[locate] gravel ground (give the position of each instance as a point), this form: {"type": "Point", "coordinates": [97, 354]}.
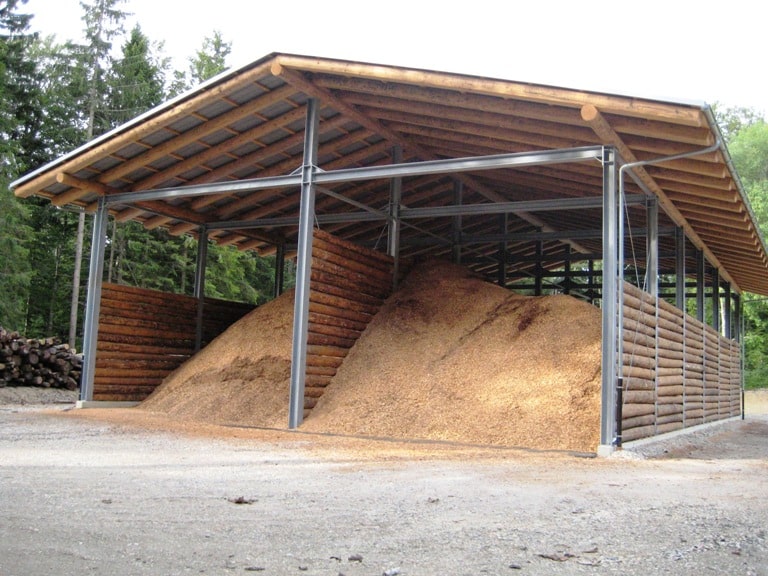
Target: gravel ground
{"type": "Point", "coordinates": [122, 493]}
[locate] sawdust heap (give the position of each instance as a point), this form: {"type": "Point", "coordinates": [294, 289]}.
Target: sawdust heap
{"type": "Point", "coordinates": [452, 357]}
{"type": "Point", "coordinates": [241, 377]}
{"type": "Point", "coordinates": [449, 357]}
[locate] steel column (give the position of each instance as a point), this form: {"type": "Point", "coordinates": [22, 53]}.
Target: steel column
{"type": "Point", "coordinates": [458, 192]}
{"type": "Point", "coordinates": [610, 298]}
{"type": "Point", "coordinates": [680, 268]}
{"type": "Point", "coordinates": [279, 269]}
{"type": "Point", "coordinates": [93, 300]}
{"type": "Point", "coordinates": [501, 276]}
{"type": "Point", "coordinates": [395, 201]}
{"type": "Point", "coordinates": [701, 269]}
{"type": "Point", "coordinates": [539, 269]}
{"type": "Point", "coordinates": [199, 291]}
{"type": "Point", "coordinates": [716, 299]}
{"type": "Point", "coordinates": [304, 266]}
{"type": "Point", "coordinates": [652, 243]}
{"type": "Point", "coordinates": [728, 309]}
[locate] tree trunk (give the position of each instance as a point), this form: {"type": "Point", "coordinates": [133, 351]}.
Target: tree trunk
{"type": "Point", "coordinates": [75, 302]}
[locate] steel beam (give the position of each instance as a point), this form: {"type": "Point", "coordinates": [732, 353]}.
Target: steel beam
{"type": "Point", "coordinates": [425, 168]}
{"type": "Point", "coordinates": [93, 300]}
{"type": "Point", "coordinates": [370, 214]}
{"type": "Point", "coordinates": [304, 266]}
{"type": "Point", "coordinates": [453, 165]}
{"type": "Point", "coordinates": [568, 204]}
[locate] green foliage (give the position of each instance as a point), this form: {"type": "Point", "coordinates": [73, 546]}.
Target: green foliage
{"type": "Point", "coordinates": [731, 120]}
{"type": "Point", "coordinates": [749, 150]}
{"type": "Point", "coordinates": [135, 82]}
{"type": "Point", "coordinates": [103, 22]}
{"type": "Point", "coordinates": [20, 149]}
{"type": "Point", "coordinates": [51, 256]}
{"type": "Point", "coordinates": [63, 93]}
{"type": "Point", "coordinates": [209, 60]}
{"type": "Point", "coordinates": [239, 276]}
{"type": "Point", "coordinates": [14, 265]}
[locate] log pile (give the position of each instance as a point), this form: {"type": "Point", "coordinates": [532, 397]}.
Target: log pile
{"type": "Point", "coordinates": [677, 371]}
{"type": "Point", "coordinates": [348, 285]}
{"type": "Point", "coordinates": [144, 335]}
{"type": "Point", "coordinates": [45, 363]}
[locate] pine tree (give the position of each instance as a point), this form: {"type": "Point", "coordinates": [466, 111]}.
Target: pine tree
{"type": "Point", "coordinates": [135, 82]}
{"type": "Point", "coordinates": [20, 150]}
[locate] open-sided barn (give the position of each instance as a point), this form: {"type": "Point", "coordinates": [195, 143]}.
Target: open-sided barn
{"type": "Point", "coordinates": [630, 203]}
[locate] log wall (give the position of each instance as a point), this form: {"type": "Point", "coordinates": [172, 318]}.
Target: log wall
{"type": "Point", "coordinates": [144, 335]}
{"type": "Point", "coordinates": [677, 372]}
{"type": "Point", "coordinates": [348, 285]}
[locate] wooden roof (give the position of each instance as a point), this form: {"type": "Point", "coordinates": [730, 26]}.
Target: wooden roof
{"type": "Point", "coordinates": [249, 123]}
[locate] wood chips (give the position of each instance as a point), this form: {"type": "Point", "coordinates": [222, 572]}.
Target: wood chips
{"type": "Point", "coordinates": [448, 357]}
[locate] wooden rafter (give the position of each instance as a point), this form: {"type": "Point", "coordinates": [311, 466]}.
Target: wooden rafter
{"type": "Point", "coordinates": [593, 117]}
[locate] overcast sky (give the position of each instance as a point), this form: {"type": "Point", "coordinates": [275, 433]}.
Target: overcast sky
{"type": "Point", "coordinates": [672, 49]}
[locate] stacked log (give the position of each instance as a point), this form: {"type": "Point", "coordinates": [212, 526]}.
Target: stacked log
{"type": "Point", "coordinates": [694, 372]}
{"type": "Point", "coordinates": [44, 362]}
{"type": "Point", "coordinates": [144, 335]}
{"type": "Point", "coordinates": [670, 378]}
{"type": "Point", "coordinates": [639, 364]}
{"type": "Point", "coordinates": [677, 372]}
{"type": "Point", "coordinates": [734, 385]}
{"type": "Point", "coordinates": [711, 375]}
{"type": "Point", "coordinates": [348, 285]}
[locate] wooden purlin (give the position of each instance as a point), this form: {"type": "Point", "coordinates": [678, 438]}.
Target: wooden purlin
{"type": "Point", "coordinates": [143, 129]}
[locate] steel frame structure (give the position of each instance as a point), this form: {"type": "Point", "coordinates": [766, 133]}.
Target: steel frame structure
{"type": "Point", "coordinates": [310, 180]}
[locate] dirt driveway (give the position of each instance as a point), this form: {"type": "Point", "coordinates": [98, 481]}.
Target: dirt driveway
{"type": "Point", "coordinates": [121, 493]}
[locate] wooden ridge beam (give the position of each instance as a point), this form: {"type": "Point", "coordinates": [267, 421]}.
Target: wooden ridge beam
{"type": "Point", "coordinates": [677, 114]}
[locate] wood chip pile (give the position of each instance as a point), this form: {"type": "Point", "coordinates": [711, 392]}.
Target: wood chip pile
{"type": "Point", "coordinates": [241, 377]}
{"type": "Point", "coordinates": [448, 357]}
